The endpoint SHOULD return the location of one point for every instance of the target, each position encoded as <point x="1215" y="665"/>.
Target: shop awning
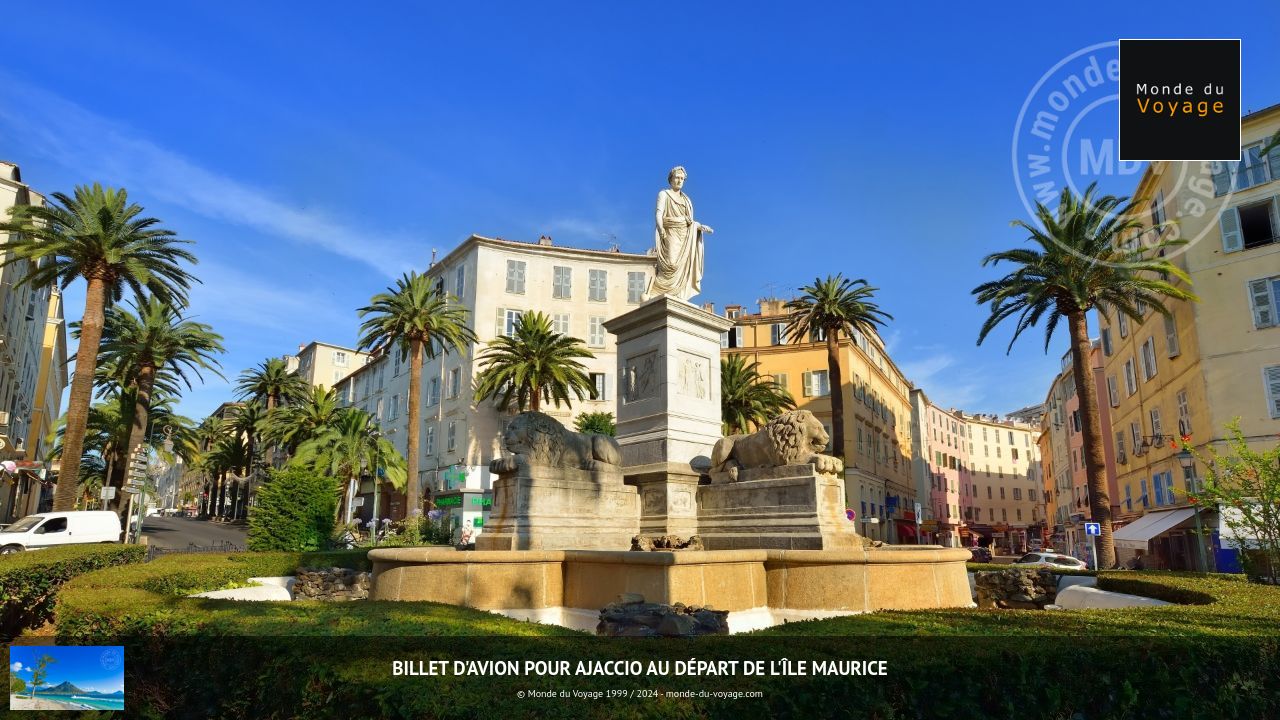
<point x="1136" y="534"/>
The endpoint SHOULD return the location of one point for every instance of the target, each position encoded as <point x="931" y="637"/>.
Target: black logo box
<point x="1187" y="68"/>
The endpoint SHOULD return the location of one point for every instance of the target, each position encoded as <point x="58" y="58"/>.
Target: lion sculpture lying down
<point x="793" y="438"/>
<point x="534" y="438"/>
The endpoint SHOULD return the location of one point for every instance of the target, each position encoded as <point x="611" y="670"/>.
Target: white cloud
<point x="16" y="667"/>
<point x="227" y="293"/>
<point x="98" y="147"/>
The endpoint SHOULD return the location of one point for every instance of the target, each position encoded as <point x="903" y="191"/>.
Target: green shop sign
<point x="454" y="501"/>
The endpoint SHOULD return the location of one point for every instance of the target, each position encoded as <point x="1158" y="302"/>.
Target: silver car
<point x="1051" y="561"/>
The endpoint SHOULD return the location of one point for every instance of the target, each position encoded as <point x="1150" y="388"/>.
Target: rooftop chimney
<point x="709" y="307"/>
<point x="544" y="240"/>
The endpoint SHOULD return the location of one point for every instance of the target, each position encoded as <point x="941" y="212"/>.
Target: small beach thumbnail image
<point x="66" y="677"/>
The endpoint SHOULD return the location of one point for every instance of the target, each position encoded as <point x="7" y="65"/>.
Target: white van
<point x="60" y="528"/>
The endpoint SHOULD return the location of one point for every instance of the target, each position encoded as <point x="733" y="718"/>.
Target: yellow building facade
<point x="877" y="410"/>
<point x="1212" y="361"/>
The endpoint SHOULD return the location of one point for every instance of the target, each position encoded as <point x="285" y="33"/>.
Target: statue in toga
<point x="679" y="243"/>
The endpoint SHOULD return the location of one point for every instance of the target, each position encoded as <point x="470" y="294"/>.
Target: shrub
<point x="295" y="512"/>
<point x="29" y="581"/>
<point x="599" y="423"/>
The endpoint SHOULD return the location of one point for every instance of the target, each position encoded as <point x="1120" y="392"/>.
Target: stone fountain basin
<point x="759" y="588"/>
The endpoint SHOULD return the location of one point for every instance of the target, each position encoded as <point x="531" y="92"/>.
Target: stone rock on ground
<point x="631" y="616"/>
<point x="647" y="543"/>
<point x="333" y="584"/>
<point x="1016" y="588"/>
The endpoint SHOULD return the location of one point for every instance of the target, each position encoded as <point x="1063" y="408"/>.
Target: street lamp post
<point x="1188" y="462"/>
<point x="373" y="518"/>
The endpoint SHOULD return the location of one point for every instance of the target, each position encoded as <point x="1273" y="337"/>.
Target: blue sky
<point x="84" y="666"/>
<point x="314" y="155"/>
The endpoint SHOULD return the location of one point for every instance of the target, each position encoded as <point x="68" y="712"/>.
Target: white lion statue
<point x="793" y="438"/>
<point x="534" y="438"/>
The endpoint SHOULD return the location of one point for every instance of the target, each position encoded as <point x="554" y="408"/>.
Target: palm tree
<point x="1083" y="257"/>
<point x="99" y="236"/>
<point x="826" y="309"/>
<point x="135" y="348"/>
<point x="248" y="423"/>
<point x="747" y="398"/>
<point x="421" y="322"/>
<point x="272" y="382"/>
<point x="352" y="447"/>
<point x="533" y="364"/>
<point x="290" y="426"/>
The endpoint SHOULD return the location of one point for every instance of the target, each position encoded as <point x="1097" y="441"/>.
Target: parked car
<point x="980" y="554"/>
<point x="1051" y="561"/>
<point x="60" y="528"/>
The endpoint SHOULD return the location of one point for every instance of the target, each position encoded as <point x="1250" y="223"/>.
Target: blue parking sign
<point x="1092" y="528"/>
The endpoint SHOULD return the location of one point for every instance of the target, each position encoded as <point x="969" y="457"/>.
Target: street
<point x="178" y="533"/>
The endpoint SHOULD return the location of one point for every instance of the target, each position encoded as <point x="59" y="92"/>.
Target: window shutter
<point x="1229" y="221"/>
<point x="500" y="324"/>
<point x="805" y="383"/>
<point x="1272" y="377"/>
<point x="1157" y="481"/>
<point x="1221" y="178"/>
<point x="1273" y="160"/>
<point x="1171" y="336"/>
<point x="1112" y="392"/>
<point x="1263" y="314"/>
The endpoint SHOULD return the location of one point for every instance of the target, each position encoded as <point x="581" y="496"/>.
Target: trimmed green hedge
<point x="294" y="513"/>
<point x="29" y="581"/>
<point x="981" y="567"/>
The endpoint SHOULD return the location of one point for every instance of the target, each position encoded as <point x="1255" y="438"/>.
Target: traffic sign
<point x="108" y="493"/>
<point x="1091" y="528"/>
<point x="132" y="490"/>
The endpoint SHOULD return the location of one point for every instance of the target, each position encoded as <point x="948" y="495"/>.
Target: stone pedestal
<point x="783" y="508"/>
<point x="544" y="508"/>
<point x="668" y="406"/>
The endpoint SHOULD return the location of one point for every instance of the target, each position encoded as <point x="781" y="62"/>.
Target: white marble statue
<point x="679" y="243"/>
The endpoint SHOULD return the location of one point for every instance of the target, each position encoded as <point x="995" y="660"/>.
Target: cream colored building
<point x="1006" y="484"/>
<point x="324" y="365"/>
<point x="879" y="483"/>
<point x="24" y="322"/>
<point x="1213" y="360"/>
<point x="497" y="281"/>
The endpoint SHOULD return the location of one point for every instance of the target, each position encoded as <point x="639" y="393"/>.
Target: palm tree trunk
<point x="412" y="501"/>
<point x="837" y="393"/>
<point x="64" y="497"/>
<point x="141" y="413"/>
<point x="535" y="400"/>
<point x="1094" y="463"/>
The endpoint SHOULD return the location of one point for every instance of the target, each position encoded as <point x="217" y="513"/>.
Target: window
<point x="988" y="489"/>
<point x="1004" y="514"/>
<point x="1158" y="483"/>
<point x="1271" y="379"/>
<point x="1252" y="169"/>
<point x="429" y="443"/>
<point x="1264" y="298"/>
<point x="731" y="338"/>
<point x="1157" y="209"/>
<point x="816" y="384"/>
<point x="635" y="287"/>
<point x="595" y="335"/>
<point x="433" y="391"/>
<point x="1184" y="414"/>
<point x="597" y="285"/>
<point x="515" y="276"/>
<point x="1135" y="434"/>
<point x="460" y="280"/>
<point x="1142" y="492"/>
<point x="53" y="525"/>
<point x="780" y="379"/>
<point x="1122" y="324"/>
<point x="991" y="514"/>
<point x="339" y="358"/>
<point x="561" y="282"/>
<point x="395" y="407"/>
<point x="1120" y="446"/>
<point x="1130" y="381"/>
<point x="1001" y="493"/>
<point x="1031" y="494"/>
<point x="1011" y="437"/>
<point x="1113" y="394"/>
<point x="817" y="335"/>
<point x="560" y="323"/>
<point x="1172" y="348"/>
<point x="1014" y="452"/>
<point x="1128" y="497"/>
<point x="1156" y="427"/>
<point x="599" y="386"/>
<point x="1019" y="511"/>
<point x="778" y="334"/>
<point x="1017" y="493"/>
<point x="452" y="438"/>
<point x="455" y="383"/>
<point x="1250" y="226"/>
<point x="1148" y="353"/>
<point x="1106" y="341"/>
<point x="507" y="320"/>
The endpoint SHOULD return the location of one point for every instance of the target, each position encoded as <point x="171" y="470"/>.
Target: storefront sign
<point x="483" y="501"/>
<point x="454" y="501"/>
